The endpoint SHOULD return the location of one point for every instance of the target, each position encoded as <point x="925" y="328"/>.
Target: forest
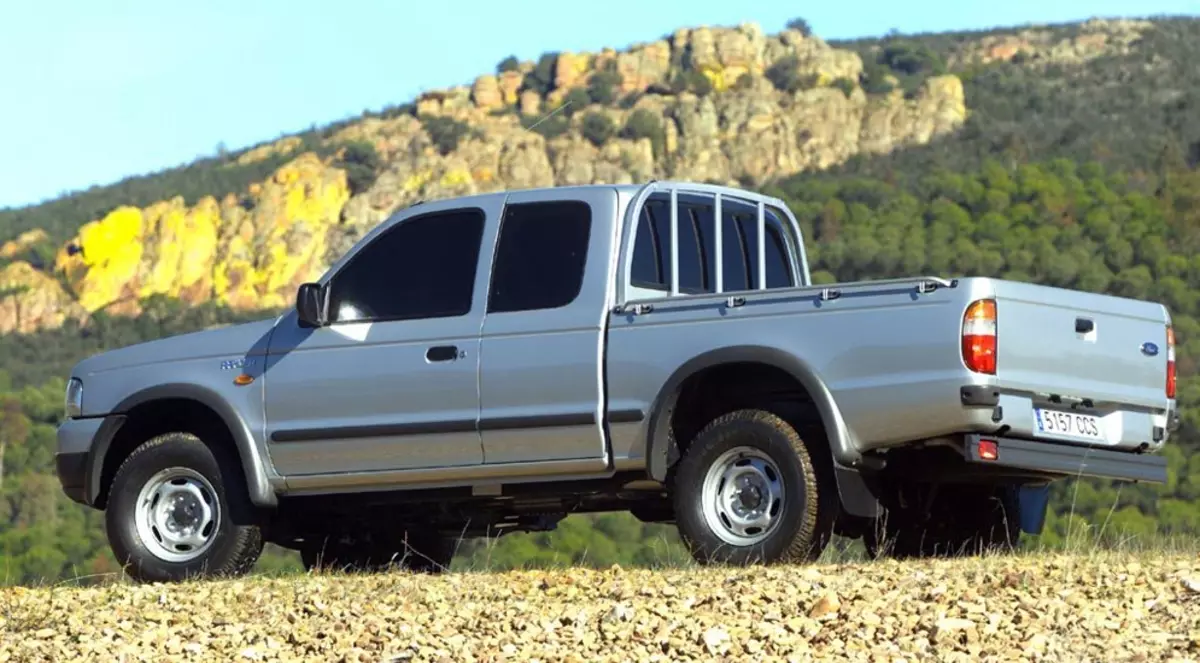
<point x="1081" y="177"/>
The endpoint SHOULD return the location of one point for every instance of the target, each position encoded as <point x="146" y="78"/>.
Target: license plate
<point x="1069" y="424"/>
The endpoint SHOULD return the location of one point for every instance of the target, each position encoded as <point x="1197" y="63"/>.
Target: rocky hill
<point x="715" y="105"/>
<point x="726" y="105"/>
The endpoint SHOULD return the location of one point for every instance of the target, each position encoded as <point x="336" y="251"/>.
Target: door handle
<point x="442" y="353"/>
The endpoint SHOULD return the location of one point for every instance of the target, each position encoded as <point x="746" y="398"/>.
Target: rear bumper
<point x="1069" y="460"/>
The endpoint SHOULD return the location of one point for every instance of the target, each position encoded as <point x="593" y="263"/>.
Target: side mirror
<point x="310" y="305"/>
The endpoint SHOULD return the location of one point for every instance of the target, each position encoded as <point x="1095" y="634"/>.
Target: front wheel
<point x="176" y="511"/>
<point x="746" y="491"/>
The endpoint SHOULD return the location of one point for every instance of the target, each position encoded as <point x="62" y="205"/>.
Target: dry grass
<point x="1102" y="606"/>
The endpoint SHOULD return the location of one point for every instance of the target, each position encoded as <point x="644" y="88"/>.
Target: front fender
<point x="254" y="468"/>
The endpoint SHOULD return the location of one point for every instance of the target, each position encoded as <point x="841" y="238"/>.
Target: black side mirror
<point x="310" y="305"/>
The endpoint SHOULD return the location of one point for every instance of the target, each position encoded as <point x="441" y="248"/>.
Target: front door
<point x="392" y="382"/>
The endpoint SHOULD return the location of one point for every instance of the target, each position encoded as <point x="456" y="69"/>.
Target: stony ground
<point x="1053" y="608"/>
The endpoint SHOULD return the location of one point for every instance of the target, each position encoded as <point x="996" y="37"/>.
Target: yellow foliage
<point x="111" y="253"/>
<point x="247" y="260"/>
<point x="417" y="181"/>
<point x="722" y="78"/>
<point x="456" y="177"/>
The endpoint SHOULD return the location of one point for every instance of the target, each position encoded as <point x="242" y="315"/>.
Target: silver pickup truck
<point x="493" y="363"/>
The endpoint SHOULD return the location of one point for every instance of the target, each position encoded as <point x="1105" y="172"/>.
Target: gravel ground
<point x="1053" y="608"/>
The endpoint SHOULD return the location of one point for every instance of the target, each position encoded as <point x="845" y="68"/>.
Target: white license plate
<point x="1069" y="424"/>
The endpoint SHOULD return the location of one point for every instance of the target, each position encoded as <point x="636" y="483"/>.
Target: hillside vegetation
<point x="1064" y="155"/>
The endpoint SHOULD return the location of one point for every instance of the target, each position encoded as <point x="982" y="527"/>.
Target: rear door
<point x="542" y="342"/>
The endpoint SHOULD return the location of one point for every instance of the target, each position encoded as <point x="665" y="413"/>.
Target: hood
<point x="234" y="341"/>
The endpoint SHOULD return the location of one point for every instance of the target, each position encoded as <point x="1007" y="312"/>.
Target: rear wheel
<point x="746" y="491"/>
<point x="176" y="510"/>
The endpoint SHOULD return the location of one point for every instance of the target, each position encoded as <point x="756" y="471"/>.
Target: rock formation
<point x="705" y="110"/>
<point x="31" y="300"/>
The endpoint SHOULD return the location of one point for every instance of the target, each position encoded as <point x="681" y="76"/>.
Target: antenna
<point x="547" y="116"/>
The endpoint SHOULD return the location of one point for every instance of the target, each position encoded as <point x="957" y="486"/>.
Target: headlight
<point x="74" y="398"/>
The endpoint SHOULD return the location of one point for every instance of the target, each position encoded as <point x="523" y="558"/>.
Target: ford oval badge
<point x="1149" y="349"/>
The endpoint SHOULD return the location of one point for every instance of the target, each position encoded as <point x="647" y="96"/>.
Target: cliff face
<point x="31" y="300"/>
<point x="249" y="253"/>
<point x="1095" y="38"/>
<point x="730" y="106"/>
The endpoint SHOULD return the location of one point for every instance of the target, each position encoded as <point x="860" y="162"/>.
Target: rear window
<point x="651" y="262"/>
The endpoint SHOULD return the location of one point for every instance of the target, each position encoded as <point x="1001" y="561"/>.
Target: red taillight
<point x="988" y="450"/>
<point x="979" y="336"/>
<point x="1170" y="363"/>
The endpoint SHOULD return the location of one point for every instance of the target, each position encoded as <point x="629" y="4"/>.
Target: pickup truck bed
<point x="659" y="349"/>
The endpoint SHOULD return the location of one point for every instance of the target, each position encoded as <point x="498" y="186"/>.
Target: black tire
<point x="235" y="539"/>
<point x="425" y="552"/>
<point x="793" y="535"/>
<point x="963" y="520"/>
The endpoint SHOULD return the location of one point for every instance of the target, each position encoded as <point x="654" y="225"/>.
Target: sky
<point x="91" y="92"/>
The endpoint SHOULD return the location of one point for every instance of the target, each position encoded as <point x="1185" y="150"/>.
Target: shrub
<point x="846" y="85"/>
<point x="576" y="100"/>
<point x="646" y="124"/>
<point x="510" y="63"/>
<point x="785" y="75"/>
<point x="911" y="58"/>
<point x="547" y="127"/>
<point x="541" y="79"/>
<point x="445" y="132"/>
<point x="598" y="128"/>
<point x="361" y="163"/>
<point x="875" y="79"/>
<point x="800" y="25"/>
<point x="691" y="81"/>
<point x="602" y="87"/>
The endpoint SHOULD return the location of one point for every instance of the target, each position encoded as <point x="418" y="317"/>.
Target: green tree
<point x="597" y="128"/>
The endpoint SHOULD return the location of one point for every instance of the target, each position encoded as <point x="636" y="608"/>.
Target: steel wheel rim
<point x="743" y="496"/>
<point x="177" y="514"/>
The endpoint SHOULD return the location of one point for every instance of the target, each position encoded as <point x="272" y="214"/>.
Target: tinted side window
<point x="423" y="267"/>
<point x="692" y="252"/>
<point x="540" y="256"/>
<point x="778" y="272"/>
<point x="651" y="266"/>
<point x="735" y="255"/>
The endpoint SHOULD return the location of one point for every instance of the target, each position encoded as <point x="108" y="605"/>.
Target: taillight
<point x="1170" y="363"/>
<point x="979" y="336"/>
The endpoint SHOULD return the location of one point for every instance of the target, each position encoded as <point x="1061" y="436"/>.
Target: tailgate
<point x="1074" y="345"/>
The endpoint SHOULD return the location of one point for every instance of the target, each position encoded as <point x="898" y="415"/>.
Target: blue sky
<point x="91" y="92"/>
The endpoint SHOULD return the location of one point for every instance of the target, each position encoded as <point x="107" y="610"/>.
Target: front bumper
<point x="1068" y="460"/>
<point x="72" y="474"/>
<point x="73" y="459"/>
